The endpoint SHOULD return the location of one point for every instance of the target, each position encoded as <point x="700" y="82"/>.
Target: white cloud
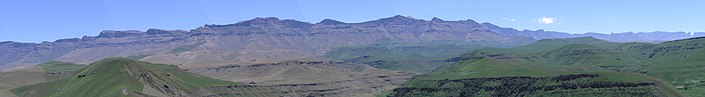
<point x="546" y="20"/>
<point x="509" y="19"/>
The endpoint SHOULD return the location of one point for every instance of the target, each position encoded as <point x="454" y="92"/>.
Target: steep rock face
<point x="263" y="40"/>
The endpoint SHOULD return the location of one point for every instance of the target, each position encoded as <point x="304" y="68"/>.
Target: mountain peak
<point x="397" y="18"/>
<point x="7" y="42"/>
<point x="490" y="25"/>
<point x="255" y="21"/>
<point x="266" y="19"/>
<point x="436" y="19"/>
<point x="153" y="31"/>
<point x="118" y="34"/>
<point x="401" y="16"/>
<point x="330" y="22"/>
<point x="16" y="44"/>
<point x="259" y="21"/>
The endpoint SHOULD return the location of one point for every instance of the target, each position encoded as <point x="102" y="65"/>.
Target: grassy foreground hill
<point x="120" y="77"/>
<point x="569" y="67"/>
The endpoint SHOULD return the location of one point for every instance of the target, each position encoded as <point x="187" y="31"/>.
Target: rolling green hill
<point x="521" y="77"/>
<point x="44" y="72"/>
<point x="419" y="57"/>
<point x="680" y="62"/>
<point x="58" y="66"/>
<point x="120" y="77"/>
<point x="635" y="69"/>
<point x="583" y="55"/>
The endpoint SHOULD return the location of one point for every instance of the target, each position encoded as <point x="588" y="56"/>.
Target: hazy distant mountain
<point x="271" y="40"/>
<point x="92" y="48"/>
<point x="652" y="37"/>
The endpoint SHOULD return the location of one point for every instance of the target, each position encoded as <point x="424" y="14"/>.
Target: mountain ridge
<point x="269" y="39"/>
<point x="261" y="20"/>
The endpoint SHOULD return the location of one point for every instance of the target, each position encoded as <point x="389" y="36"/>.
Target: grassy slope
<point x="405" y="56"/>
<point x="583" y="55"/>
<point x="184" y="48"/>
<point x="40" y="73"/>
<point x="687" y="74"/>
<point x="121" y="77"/>
<point x="58" y="66"/>
<point x="18" y="78"/>
<point x="482" y="73"/>
<point x="542" y="46"/>
<point x="680" y="63"/>
<point x="546" y="59"/>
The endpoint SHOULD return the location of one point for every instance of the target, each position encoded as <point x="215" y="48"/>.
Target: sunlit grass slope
<point x="119" y="77"/>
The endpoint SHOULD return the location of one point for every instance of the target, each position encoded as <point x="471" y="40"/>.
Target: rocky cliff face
<point x="264" y="40"/>
<point x="271" y="40"/>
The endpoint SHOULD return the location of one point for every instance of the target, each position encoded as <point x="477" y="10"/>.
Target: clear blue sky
<point x="48" y="20"/>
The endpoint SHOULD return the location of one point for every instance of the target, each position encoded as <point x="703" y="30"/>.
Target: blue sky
<point x="48" y="20"/>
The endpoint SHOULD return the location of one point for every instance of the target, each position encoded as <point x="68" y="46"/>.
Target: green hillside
<point x="635" y="69"/>
<point x="57" y="69"/>
<point x="597" y="85"/>
<point x="58" y="66"/>
<point x="498" y="77"/>
<point x="583" y="55"/>
<point x="44" y="72"/>
<point x="419" y="57"/>
<point x="119" y="77"/>
<point x="542" y="46"/>
<point x="680" y="62"/>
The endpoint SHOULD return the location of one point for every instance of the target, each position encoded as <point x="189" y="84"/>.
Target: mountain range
<point x="264" y="40"/>
<point x="396" y="56"/>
